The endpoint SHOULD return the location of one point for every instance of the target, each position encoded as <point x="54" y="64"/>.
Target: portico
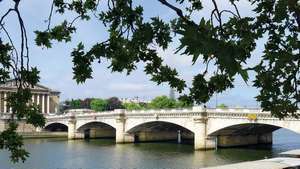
<point x="46" y="98"/>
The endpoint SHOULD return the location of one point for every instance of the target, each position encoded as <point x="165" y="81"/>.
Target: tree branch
<point x="178" y="11"/>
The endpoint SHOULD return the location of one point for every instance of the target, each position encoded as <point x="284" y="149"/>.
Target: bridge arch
<point x="248" y="133"/>
<point x="184" y="123"/>
<point x="245" y="129"/>
<point x="56" y="126"/>
<point x="160" y="131"/>
<point x="108" y="122"/>
<point x="217" y="125"/>
<point x="94" y="124"/>
<point x="97" y="129"/>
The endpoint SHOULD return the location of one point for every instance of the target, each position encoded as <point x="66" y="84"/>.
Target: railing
<point x="190" y="112"/>
<point x="195" y="111"/>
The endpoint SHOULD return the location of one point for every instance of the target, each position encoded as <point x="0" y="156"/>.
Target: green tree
<point x="226" y="40"/>
<point x="132" y="106"/>
<point x="99" y="104"/>
<point x="114" y="103"/>
<point x="184" y="102"/>
<point x="162" y="102"/>
<point x="222" y="106"/>
<point x="75" y="104"/>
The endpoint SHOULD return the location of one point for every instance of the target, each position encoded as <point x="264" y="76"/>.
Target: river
<point x="104" y="154"/>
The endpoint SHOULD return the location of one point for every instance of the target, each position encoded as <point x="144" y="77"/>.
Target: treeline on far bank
<point x="99" y="104"/>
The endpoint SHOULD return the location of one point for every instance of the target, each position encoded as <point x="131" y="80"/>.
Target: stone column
<point x="200" y="132"/>
<point x="37" y="99"/>
<point x="48" y="104"/>
<point x="9" y="108"/>
<point x="121" y="135"/>
<point x="5" y="103"/>
<point x="43" y="103"/>
<point x="32" y="98"/>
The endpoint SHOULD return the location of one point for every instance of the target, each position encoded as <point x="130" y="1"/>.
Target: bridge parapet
<point x="202" y="122"/>
<point x="195" y="111"/>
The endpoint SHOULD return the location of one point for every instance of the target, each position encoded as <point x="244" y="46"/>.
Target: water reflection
<point x="95" y="154"/>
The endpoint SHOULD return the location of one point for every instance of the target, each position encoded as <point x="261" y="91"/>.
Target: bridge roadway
<point x="207" y="128"/>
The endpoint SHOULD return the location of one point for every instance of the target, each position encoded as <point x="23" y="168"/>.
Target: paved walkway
<point x="292" y="153"/>
<point x="272" y="163"/>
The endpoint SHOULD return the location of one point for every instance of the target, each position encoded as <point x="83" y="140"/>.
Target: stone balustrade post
<point x="121" y="135"/>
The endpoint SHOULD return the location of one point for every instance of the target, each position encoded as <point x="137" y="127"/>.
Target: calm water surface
<point x="104" y="154"/>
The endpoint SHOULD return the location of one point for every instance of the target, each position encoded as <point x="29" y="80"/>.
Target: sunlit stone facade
<point x="46" y="98"/>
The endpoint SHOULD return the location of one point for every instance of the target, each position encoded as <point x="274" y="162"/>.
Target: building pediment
<point x="11" y="85"/>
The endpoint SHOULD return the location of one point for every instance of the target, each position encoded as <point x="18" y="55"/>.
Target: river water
<point x="104" y="154"/>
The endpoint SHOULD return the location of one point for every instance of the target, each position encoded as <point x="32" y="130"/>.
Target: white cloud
<point x="128" y="87"/>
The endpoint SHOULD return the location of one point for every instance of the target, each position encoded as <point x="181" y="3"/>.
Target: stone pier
<point x="121" y="135"/>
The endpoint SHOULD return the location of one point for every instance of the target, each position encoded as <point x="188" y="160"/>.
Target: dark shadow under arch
<point x="96" y="129"/>
<point x="56" y="127"/>
<point x="160" y="131"/>
<point x="245" y="129"/>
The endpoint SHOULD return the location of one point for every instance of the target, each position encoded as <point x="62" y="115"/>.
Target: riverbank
<point x="38" y="135"/>
<point x="273" y="163"/>
<point x="287" y="160"/>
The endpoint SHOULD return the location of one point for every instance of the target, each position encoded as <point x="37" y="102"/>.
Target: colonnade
<point x="41" y="99"/>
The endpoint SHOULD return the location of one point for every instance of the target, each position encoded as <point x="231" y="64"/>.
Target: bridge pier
<point x="201" y="140"/>
<point x="121" y="135"/>
<point x="72" y="132"/>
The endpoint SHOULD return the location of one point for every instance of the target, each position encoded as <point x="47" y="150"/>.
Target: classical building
<point x="46" y="98"/>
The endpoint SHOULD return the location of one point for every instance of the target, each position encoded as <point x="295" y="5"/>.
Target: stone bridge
<point x="207" y="128"/>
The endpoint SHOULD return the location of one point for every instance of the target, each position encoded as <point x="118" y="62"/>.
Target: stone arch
<point x="56" y="126"/>
<point x="160" y="131"/>
<point x="246" y="133"/>
<point x="245" y="129"/>
<point x="82" y="123"/>
<point x="186" y="123"/>
<point x="272" y="125"/>
<point x="97" y="129"/>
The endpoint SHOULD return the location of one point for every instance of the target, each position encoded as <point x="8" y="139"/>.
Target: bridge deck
<point x="273" y="163"/>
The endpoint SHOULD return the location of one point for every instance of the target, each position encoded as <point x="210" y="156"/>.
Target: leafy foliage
<point x="226" y="40"/>
<point x="222" y="106"/>
<point x="99" y="104"/>
<point x="114" y="103"/>
<point x="162" y="102"/>
<point x="132" y="106"/>
<point x="75" y="104"/>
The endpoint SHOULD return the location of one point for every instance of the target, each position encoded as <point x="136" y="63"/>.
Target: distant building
<point x="172" y="93"/>
<point x="133" y="100"/>
<point x="46" y="98"/>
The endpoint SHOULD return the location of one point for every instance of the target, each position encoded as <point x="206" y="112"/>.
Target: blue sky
<point x="55" y="64"/>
